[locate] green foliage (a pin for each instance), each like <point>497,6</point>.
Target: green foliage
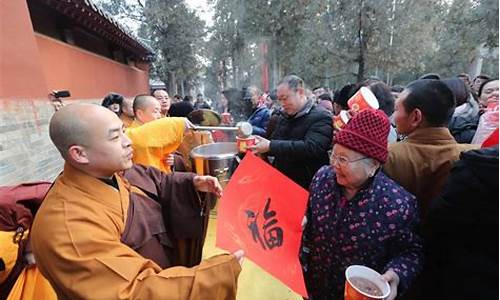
<point>327,42</point>
<point>331,42</point>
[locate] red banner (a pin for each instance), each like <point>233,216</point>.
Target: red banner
<point>261,212</point>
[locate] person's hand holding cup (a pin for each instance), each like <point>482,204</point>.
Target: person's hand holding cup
<point>363,283</point>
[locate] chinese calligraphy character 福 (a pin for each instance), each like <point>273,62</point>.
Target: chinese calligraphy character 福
<point>272,236</point>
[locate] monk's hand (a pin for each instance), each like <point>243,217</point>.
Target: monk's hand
<point>261,145</point>
<point>207,184</point>
<point>170,159</point>
<point>188,124</point>
<point>393,279</point>
<point>240,256</point>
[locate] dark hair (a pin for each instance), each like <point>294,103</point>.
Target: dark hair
<point>188,98</point>
<point>341,96</point>
<point>111,99</point>
<point>434,98</point>
<point>459,89</point>
<point>464,75</point>
<point>140,101</point>
<point>381,91</point>
<point>177,96</point>
<point>384,96</point>
<point>430,76</point>
<point>325,96</point>
<point>155,90</point>
<point>274,95</point>
<point>294,82</point>
<point>480,91</point>
<point>482,76</point>
<point>397,88</point>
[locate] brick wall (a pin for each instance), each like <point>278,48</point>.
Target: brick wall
<point>26,152</point>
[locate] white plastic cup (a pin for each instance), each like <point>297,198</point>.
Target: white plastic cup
<point>363,99</point>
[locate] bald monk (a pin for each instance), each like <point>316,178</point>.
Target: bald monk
<point>78,232</point>
<point>154,138</point>
<point>127,115</point>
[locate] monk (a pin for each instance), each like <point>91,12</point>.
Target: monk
<point>79,231</point>
<point>154,138</point>
<point>127,115</point>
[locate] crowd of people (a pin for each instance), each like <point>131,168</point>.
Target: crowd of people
<point>409,189</point>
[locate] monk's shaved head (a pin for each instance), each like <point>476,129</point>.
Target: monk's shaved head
<point>73,125</point>
<point>146,108</point>
<point>142,102</point>
<point>92,139</point>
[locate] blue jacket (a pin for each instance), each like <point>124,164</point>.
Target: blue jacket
<point>259,119</point>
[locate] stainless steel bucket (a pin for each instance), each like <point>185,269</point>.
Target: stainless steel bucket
<point>218,160</point>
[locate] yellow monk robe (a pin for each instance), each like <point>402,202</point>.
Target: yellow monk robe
<point>127,121</point>
<point>76,242</point>
<point>154,141</point>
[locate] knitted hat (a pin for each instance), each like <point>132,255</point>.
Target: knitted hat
<point>366,133</point>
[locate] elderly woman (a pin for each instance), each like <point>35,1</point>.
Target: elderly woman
<point>357,215</point>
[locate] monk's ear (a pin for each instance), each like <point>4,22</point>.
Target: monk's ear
<point>139,114</point>
<point>78,154</point>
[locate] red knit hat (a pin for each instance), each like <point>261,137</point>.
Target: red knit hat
<point>366,133</point>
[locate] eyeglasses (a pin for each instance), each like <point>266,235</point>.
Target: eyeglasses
<point>343,161</point>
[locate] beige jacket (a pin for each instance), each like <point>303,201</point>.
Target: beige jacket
<point>422,162</point>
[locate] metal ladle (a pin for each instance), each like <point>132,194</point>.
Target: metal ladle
<point>243,129</point>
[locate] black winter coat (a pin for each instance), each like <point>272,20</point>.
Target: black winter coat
<point>300,143</point>
<point>462,231</point>
<point>181,109</point>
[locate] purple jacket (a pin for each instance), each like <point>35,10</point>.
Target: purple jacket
<point>377,228</point>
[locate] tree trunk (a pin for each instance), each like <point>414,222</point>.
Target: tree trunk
<point>235,73</point>
<point>172,83</point>
<point>183,93</point>
<point>361,55</point>
<point>274,63</point>
<point>476,64</point>
<point>224,75</point>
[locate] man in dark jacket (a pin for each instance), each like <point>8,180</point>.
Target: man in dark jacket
<point>303,134</point>
<point>462,231</point>
<point>181,109</point>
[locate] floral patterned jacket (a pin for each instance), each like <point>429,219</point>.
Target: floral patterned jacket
<point>377,228</point>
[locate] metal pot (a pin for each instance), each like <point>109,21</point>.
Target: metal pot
<point>218,160</point>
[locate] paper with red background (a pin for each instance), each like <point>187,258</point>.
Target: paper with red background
<point>253,182</point>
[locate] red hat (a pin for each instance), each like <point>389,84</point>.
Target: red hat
<point>366,133</point>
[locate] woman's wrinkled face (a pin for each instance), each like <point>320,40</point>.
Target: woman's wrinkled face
<point>350,166</point>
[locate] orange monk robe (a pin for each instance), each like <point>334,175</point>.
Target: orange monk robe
<point>76,242</point>
<point>127,121</point>
<point>155,140</point>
